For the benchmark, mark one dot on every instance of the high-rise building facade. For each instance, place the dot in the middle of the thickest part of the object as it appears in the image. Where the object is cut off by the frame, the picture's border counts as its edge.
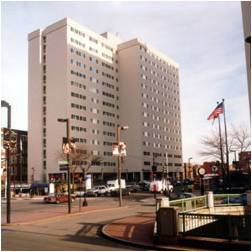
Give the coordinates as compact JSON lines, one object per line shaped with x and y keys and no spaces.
{"x":98,"y":82}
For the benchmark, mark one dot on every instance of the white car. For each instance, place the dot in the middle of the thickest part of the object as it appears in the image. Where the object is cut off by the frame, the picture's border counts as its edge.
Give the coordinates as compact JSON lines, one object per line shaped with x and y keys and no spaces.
{"x":99,"y":190}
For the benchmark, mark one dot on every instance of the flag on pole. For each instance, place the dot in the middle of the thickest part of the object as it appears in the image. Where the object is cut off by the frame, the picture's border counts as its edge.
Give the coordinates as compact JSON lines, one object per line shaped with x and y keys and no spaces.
{"x":218,"y":110}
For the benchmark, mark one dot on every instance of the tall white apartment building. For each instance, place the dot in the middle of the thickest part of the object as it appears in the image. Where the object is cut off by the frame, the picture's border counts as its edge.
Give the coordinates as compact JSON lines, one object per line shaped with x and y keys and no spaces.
{"x":99,"y":82}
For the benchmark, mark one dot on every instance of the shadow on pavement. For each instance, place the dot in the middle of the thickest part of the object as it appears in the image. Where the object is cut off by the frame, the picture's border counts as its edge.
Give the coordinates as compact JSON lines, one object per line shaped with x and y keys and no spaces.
{"x":90,"y":233}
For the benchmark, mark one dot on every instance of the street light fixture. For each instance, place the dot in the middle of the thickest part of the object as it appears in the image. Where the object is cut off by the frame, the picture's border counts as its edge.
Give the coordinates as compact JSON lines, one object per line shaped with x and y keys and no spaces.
{"x":8,"y":205}
{"x":66,"y":120}
{"x":118,"y":131}
{"x":189,"y":166}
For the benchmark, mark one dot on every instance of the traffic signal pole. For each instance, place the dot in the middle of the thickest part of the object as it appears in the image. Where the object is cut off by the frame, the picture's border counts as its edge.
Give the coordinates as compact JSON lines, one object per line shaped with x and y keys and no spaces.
{"x":68,"y":170}
{"x":119,"y":166}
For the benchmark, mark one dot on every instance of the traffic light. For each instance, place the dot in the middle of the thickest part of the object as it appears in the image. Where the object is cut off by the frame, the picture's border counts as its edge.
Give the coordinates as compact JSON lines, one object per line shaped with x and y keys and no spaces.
{"x":13,"y":140}
{"x":154,"y":168}
{"x":9,"y":139}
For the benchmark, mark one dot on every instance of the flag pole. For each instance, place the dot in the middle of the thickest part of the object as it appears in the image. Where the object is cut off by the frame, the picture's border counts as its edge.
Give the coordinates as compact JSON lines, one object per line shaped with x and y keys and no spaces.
{"x":227,"y":152}
{"x":221,"y":150}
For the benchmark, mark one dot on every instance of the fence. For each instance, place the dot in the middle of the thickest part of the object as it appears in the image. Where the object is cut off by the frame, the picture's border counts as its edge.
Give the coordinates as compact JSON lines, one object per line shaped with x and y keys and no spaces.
{"x":212,"y":225}
{"x":190,"y":204}
{"x":200,"y":202}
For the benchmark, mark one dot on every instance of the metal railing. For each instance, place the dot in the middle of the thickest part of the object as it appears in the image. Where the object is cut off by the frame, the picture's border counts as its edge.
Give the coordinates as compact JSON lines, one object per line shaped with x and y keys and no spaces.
{"x":190,"y":204}
{"x":199,"y":202}
{"x":230,"y":227}
{"x":226,"y":199}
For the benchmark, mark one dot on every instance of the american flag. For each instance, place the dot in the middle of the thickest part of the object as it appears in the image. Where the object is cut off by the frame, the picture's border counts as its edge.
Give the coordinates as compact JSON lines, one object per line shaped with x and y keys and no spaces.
{"x":218,"y":110}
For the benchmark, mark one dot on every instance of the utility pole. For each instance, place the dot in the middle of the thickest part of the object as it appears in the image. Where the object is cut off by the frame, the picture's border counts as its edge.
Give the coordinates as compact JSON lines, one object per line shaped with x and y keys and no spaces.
{"x":68,"y":161}
{"x":7,"y":105}
{"x":119,"y":170}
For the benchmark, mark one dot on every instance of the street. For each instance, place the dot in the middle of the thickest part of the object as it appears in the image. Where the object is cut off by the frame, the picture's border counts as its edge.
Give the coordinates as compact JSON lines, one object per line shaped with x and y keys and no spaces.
{"x":75,"y":232}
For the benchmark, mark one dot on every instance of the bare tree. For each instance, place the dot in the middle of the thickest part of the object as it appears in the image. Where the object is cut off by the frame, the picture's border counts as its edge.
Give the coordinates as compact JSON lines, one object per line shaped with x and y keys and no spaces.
{"x":238,"y":140}
{"x":83,"y":159}
{"x":241,"y":138}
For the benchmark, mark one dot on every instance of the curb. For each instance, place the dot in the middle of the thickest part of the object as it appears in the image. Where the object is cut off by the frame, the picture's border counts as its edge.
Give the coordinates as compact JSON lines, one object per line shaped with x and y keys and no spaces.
{"x":60,"y":216}
{"x":137,"y":244}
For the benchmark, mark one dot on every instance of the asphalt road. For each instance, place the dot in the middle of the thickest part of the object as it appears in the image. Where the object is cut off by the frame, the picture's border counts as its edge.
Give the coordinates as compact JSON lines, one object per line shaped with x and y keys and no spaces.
{"x":78,"y":232}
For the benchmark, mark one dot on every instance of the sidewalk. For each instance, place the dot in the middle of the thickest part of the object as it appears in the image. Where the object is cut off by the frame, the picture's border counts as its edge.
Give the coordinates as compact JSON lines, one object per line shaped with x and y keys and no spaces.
{"x":137,"y":231}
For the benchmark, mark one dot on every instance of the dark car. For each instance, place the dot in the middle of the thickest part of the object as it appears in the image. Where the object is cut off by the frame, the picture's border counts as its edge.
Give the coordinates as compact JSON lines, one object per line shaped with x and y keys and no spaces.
{"x":134,"y":188}
{"x":175,"y":196}
{"x":58,"y":198}
{"x":242,"y":199}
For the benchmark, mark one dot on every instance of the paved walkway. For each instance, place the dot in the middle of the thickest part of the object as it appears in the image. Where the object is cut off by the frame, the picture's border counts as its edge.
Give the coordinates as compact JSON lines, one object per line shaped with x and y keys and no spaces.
{"x":134,"y":229}
{"x":138,"y":230}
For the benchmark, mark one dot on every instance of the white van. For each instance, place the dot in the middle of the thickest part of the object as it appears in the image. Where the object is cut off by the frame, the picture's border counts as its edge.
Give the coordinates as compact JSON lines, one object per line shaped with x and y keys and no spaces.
{"x":113,"y":184}
{"x":160,"y":186}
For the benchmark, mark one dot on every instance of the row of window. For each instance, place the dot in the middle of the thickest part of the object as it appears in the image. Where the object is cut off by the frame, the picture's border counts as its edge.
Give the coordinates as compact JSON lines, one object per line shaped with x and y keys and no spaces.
{"x":108,"y":114}
{"x":109,"y":124}
{"x":77,"y":42}
{"x":161,"y":164}
{"x":156,"y":73}
{"x":77,"y":84}
{"x":78,"y":74}
{"x":108,"y":133}
{"x":78,"y":95}
{"x":162,"y":85}
{"x":91,"y":49}
{"x":82,"y":34}
{"x":147,"y":153}
{"x":157,"y":118}
{"x":106,"y":84}
{"x":78,"y":118}
{"x":78,"y":106}
{"x":92,"y":59}
{"x":77,"y":128}
{"x":157,"y":58}
{"x":159,"y":145}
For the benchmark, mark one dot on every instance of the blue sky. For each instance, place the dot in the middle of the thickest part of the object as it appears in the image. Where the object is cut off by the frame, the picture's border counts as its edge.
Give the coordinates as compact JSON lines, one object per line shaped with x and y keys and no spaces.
{"x":204,"y":38}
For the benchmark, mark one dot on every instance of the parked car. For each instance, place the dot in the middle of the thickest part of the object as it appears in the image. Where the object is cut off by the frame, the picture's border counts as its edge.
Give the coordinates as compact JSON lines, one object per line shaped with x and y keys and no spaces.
{"x":58,"y":198}
{"x":125,"y":192}
{"x":100,"y":190}
{"x":22,"y":192}
{"x":242,"y":199}
{"x":175,"y":196}
{"x":134,"y":188}
{"x":144,"y":185}
{"x":114,"y":185}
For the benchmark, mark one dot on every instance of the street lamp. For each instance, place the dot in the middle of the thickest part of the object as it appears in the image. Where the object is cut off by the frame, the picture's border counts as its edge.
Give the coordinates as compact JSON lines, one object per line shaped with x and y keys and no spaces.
{"x":118,"y":131}
{"x":189,"y":166}
{"x":68,"y":159}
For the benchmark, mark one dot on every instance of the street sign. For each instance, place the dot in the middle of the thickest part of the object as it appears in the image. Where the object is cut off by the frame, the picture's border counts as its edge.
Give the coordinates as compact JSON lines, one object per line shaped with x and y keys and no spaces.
{"x":62,"y":162}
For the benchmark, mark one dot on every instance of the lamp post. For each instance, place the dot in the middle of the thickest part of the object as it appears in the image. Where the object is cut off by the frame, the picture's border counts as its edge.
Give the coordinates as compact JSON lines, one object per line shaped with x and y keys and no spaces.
{"x":68,"y":159}
{"x":119,"y":170}
{"x":8,"y":106}
{"x":189,"y":167}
